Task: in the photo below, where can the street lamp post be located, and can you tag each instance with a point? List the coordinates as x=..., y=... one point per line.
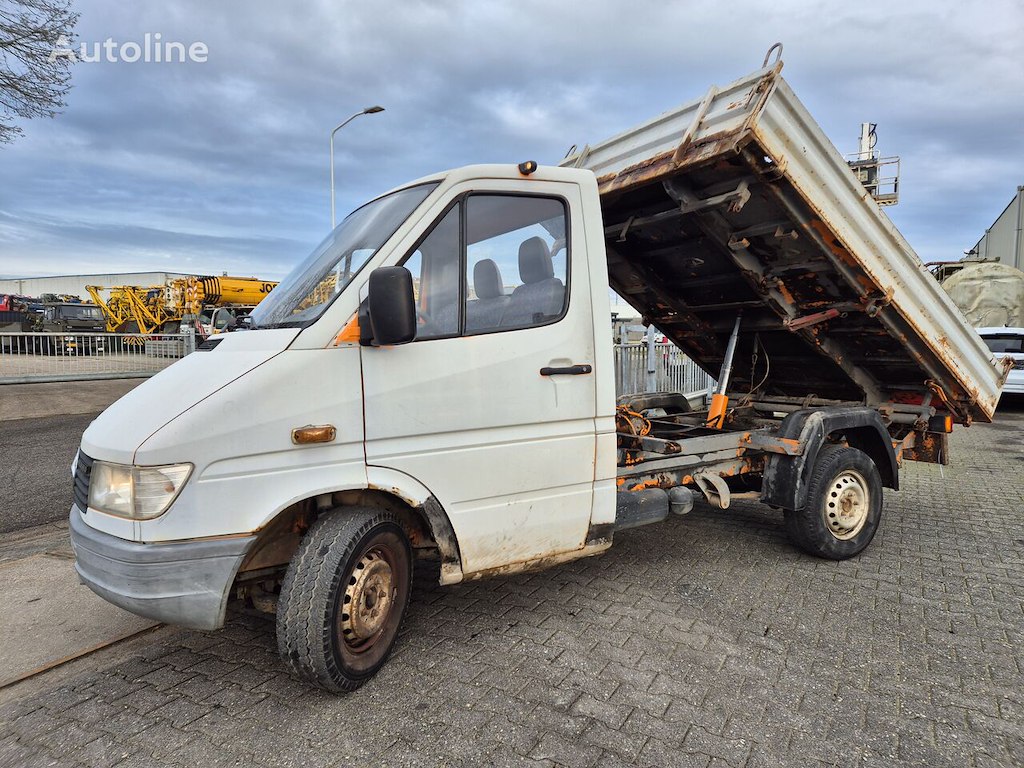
x=367, y=111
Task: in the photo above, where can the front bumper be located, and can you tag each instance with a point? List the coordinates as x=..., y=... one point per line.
x=182, y=583
x=85, y=343
x=1014, y=384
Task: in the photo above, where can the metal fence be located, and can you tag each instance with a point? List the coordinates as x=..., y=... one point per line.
x=36, y=357
x=672, y=371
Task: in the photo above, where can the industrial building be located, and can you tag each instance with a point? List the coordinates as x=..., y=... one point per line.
x=74, y=285
x=1004, y=240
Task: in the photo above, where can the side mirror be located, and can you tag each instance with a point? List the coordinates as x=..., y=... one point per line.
x=391, y=306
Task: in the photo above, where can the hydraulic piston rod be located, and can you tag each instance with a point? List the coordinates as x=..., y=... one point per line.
x=719, y=401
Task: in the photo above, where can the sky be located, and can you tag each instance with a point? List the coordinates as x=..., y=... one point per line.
x=221, y=165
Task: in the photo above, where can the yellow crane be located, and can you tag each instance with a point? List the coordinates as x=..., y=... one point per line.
x=156, y=308
x=131, y=308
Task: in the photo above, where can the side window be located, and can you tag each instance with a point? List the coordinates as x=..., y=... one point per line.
x=516, y=262
x=435, y=278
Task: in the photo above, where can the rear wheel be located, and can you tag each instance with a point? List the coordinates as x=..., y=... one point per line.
x=343, y=598
x=843, y=507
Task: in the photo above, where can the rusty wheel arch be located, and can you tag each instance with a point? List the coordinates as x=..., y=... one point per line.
x=868, y=440
x=427, y=526
x=786, y=478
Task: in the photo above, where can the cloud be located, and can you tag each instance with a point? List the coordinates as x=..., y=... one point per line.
x=224, y=165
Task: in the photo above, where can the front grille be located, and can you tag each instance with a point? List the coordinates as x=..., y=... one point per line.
x=1019, y=365
x=83, y=474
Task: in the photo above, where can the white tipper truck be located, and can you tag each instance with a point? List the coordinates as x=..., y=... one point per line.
x=436, y=379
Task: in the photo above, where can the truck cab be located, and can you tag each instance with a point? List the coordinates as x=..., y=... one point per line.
x=217, y=320
x=75, y=322
x=487, y=438
x=13, y=313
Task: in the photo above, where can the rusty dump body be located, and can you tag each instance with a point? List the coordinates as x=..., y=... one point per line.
x=739, y=204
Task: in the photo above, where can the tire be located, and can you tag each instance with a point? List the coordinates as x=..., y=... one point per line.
x=843, y=507
x=354, y=556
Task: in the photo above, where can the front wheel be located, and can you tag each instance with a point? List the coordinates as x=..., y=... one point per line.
x=843, y=507
x=343, y=598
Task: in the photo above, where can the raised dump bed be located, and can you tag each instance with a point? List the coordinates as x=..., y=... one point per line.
x=738, y=204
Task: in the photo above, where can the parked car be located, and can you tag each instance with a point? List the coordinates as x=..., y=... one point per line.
x=1008, y=343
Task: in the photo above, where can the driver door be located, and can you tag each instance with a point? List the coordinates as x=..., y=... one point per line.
x=485, y=407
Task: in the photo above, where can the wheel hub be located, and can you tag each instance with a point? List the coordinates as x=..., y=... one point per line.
x=368, y=598
x=846, y=505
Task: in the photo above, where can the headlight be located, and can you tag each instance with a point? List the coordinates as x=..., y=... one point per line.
x=138, y=493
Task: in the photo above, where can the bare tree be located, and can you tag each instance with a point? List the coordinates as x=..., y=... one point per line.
x=33, y=82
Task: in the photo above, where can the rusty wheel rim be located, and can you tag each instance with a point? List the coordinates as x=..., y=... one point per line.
x=368, y=600
x=847, y=504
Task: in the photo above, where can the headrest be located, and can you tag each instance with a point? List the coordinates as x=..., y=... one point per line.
x=487, y=280
x=535, y=261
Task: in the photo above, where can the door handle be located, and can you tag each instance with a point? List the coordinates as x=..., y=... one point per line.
x=569, y=370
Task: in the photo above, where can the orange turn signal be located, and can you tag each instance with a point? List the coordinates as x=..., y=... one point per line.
x=941, y=422
x=321, y=434
x=350, y=333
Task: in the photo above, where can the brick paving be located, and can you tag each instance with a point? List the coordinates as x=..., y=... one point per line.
x=705, y=641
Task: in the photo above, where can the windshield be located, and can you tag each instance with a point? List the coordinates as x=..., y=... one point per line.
x=81, y=313
x=1009, y=342
x=304, y=295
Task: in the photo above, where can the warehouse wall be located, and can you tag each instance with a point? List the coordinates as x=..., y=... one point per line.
x=1004, y=240
x=75, y=284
